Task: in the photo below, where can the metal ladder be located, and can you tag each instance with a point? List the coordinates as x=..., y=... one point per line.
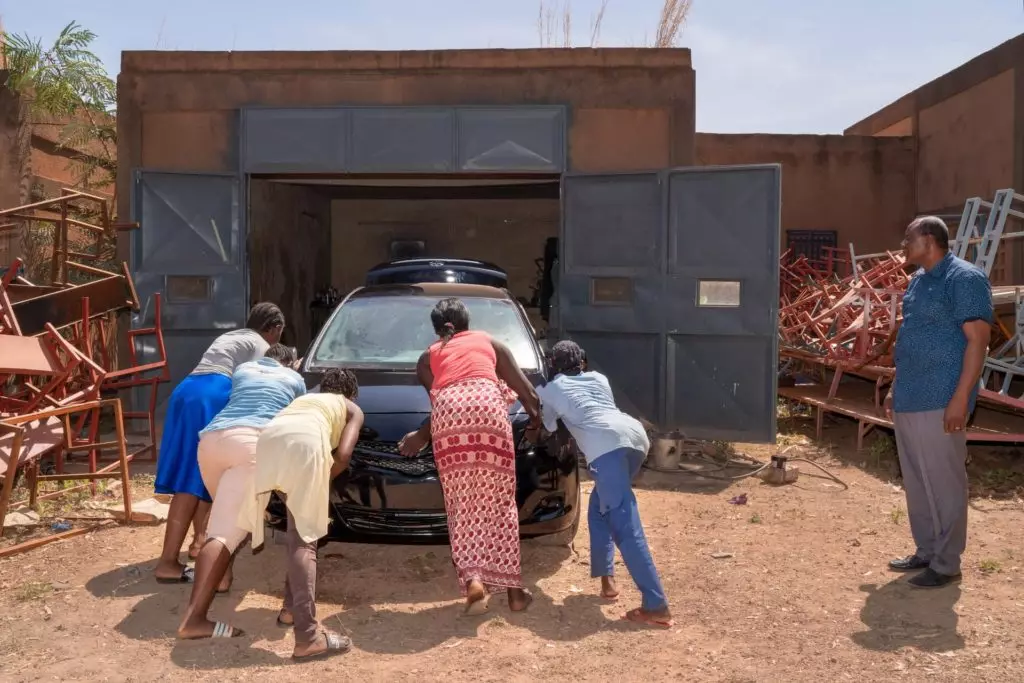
x=987, y=240
x=968, y=228
x=1002, y=207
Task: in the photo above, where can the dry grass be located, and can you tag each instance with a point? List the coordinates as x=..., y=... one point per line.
x=554, y=26
x=670, y=25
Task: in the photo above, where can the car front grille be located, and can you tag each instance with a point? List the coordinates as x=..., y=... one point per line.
x=385, y=455
x=391, y=522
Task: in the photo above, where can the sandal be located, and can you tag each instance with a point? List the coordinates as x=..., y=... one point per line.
x=220, y=630
x=188, y=575
x=337, y=644
x=639, y=616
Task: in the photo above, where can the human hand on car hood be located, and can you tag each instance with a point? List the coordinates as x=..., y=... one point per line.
x=412, y=443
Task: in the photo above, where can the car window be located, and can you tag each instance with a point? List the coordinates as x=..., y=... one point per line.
x=396, y=330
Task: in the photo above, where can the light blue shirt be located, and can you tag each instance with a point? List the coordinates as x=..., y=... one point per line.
x=585, y=404
x=260, y=389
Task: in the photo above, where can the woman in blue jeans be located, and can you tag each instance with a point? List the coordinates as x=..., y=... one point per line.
x=615, y=446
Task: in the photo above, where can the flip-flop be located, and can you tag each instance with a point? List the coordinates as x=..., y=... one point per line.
x=220, y=630
x=638, y=617
x=188, y=575
x=282, y=623
x=336, y=645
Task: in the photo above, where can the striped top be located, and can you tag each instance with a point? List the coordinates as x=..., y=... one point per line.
x=260, y=389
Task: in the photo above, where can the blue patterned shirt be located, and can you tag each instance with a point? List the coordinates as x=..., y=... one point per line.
x=931, y=342
x=260, y=389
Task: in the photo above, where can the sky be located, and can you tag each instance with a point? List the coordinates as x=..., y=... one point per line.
x=763, y=66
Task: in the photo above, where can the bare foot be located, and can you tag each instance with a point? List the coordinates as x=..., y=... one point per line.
x=196, y=546
x=174, y=572
x=609, y=591
x=207, y=629
x=285, y=618
x=519, y=599
x=225, y=583
x=476, y=598
x=661, y=618
x=326, y=644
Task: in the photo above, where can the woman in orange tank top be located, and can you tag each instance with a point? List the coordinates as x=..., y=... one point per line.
x=472, y=380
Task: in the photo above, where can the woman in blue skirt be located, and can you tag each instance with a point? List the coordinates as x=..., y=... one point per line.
x=193, y=403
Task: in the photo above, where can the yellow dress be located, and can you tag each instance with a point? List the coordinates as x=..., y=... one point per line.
x=293, y=456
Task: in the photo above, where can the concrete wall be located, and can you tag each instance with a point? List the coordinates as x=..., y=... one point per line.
x=289, y=251
x=15, y=171
x=970, y=129
x=965, y=145
x=629, y=108
x=861, y=187
x=509, y=232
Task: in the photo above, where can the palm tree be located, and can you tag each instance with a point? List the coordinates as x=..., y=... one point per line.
x=66, y=85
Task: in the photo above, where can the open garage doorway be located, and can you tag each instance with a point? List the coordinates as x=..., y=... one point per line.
x=308, y=233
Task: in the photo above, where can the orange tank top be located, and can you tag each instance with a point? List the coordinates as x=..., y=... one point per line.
x=467, y=355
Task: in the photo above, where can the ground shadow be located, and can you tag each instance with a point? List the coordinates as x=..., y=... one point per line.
x=898, y=615
x=157, y=614
x=394, y=632
x=693, y=476
x=359, y=578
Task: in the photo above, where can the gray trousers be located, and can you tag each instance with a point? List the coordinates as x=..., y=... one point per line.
x=300, y=585
x=934, y=466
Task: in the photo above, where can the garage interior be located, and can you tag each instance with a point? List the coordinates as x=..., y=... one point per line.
x=308, y=233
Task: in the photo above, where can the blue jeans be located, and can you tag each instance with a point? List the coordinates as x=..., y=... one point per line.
x=615, y=521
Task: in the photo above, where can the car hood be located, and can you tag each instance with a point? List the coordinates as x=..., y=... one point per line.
x=394, y=403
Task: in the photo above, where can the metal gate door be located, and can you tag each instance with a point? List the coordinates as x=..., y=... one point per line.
x=190, y=248
x=670, y=282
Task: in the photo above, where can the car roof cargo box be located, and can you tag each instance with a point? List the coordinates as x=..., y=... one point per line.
x=462, y=271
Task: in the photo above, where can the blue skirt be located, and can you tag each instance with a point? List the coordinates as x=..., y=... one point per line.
x=193, y=404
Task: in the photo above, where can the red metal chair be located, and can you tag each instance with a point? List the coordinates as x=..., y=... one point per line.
x=25, y=439
x=145, y=375
x=8, y=320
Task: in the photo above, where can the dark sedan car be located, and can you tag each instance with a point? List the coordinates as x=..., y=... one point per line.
x=379, y=332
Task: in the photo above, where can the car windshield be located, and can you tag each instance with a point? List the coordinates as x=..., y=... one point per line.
x=395, y=330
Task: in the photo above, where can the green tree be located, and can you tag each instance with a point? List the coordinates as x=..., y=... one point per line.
x=65, y=84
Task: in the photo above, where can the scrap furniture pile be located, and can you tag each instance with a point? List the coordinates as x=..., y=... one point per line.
x=839, y=314
x=61, y=414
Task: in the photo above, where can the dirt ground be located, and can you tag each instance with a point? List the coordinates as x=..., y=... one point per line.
x=791, y=586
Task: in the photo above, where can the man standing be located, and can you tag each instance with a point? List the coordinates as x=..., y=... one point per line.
x=940, y=352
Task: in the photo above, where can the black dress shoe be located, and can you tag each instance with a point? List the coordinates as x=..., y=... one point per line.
x=930, y=578
x=910, y=563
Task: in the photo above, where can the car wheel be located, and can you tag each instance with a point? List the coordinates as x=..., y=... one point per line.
x=563, y=539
